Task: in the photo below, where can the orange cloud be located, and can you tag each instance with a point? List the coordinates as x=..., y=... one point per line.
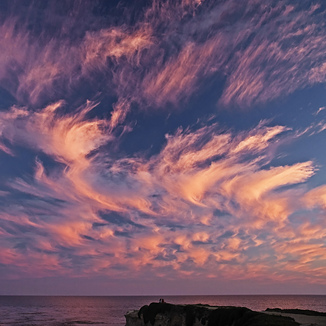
x=316, y=197
x=194, y=174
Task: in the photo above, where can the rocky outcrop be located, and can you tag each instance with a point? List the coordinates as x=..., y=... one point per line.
x=303, y=317
x=165, y=314
x=297, y=312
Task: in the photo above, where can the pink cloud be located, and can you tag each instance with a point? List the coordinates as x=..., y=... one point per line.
x=196, y=173
x=316, y=197
x=209, y=198
x=258, y=67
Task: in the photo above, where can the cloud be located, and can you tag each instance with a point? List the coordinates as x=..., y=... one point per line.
x=68, y=139
x=164, y=56
x=210, y=199
x=170, y=206
x=279, y=54
x=320, y=109
x=178, y=78
x=316, y=197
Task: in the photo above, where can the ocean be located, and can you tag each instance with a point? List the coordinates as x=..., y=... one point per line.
x=87, y=310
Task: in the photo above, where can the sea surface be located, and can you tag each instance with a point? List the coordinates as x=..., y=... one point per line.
x=69, y=310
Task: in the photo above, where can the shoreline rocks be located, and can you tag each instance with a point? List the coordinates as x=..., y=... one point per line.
x=297, y=312
x=165, y=314
x=303, y=317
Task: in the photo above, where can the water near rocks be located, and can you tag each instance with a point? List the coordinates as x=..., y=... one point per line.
x=60, y=311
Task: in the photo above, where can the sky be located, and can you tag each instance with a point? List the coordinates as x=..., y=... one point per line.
x=162, y=147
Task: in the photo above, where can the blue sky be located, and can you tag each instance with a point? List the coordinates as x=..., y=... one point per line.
x=162, y=147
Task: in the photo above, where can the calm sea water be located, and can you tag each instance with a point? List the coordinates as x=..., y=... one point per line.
x=55, y=311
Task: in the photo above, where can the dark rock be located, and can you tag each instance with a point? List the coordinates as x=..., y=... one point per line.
x=154, y=309
x=165, y=314
x=297, y=311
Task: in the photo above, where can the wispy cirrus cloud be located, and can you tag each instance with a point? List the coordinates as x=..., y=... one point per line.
x=164, y=212
x=164, y=56
x=210, y=200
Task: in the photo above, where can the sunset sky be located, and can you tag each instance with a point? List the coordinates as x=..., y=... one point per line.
x=162, y=147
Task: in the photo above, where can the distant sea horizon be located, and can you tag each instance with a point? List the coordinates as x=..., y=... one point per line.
x=60, y=310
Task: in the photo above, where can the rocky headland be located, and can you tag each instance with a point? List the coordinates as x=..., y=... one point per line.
x=166, y=314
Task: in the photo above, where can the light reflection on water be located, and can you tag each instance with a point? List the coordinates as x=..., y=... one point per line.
x=59, y=311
